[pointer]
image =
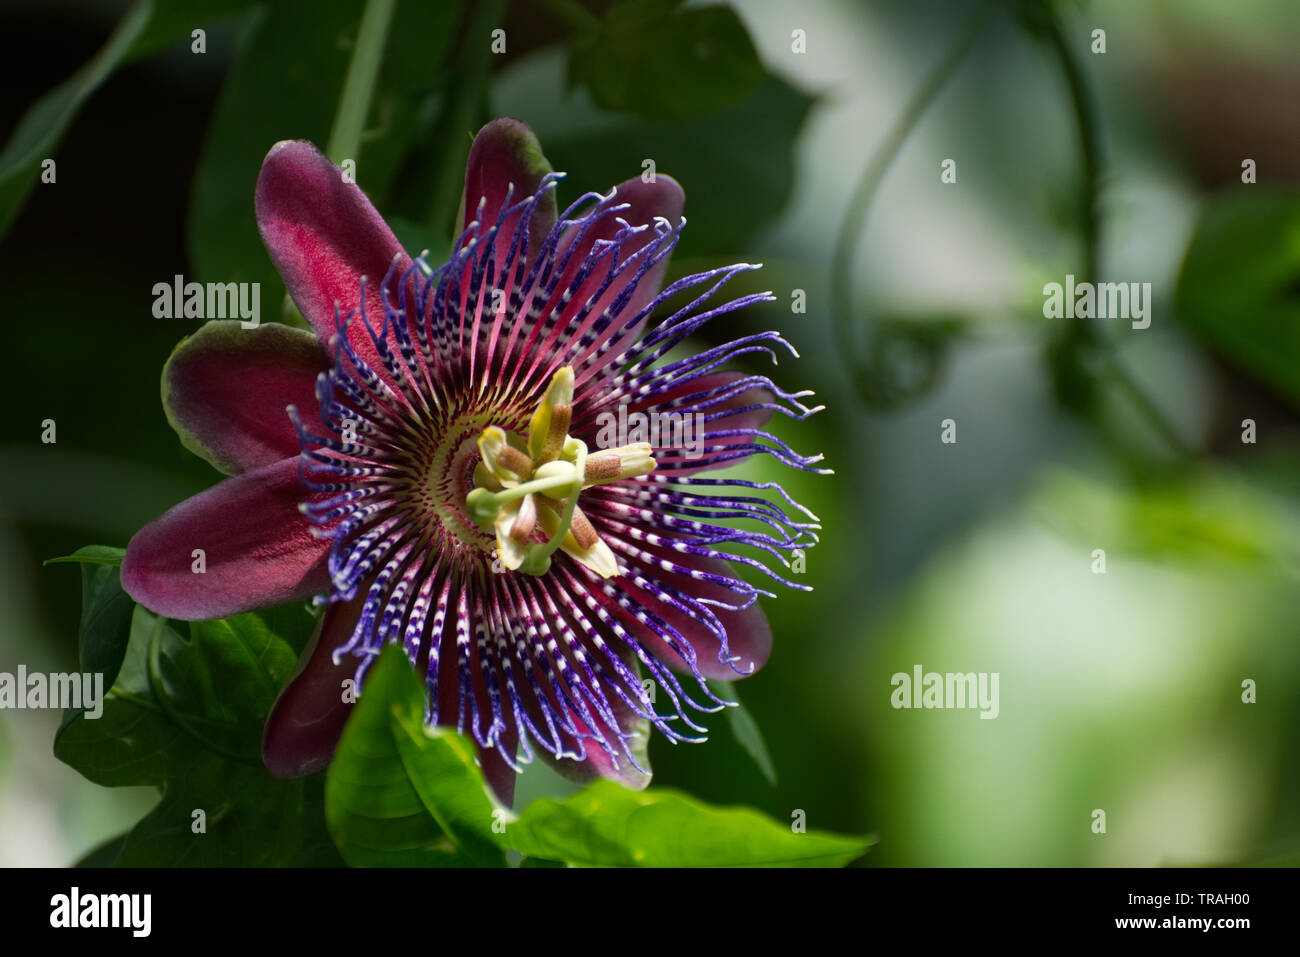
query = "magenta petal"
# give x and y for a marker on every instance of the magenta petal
(323, 235)
(308, 718)
(506, 154)
(225, 390)
(257, 549)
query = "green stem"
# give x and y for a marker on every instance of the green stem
(536, 485)
(539, 557)
(1081, 334)
(874, 174)
(1088, 126)
(359, 84)
(456, 124)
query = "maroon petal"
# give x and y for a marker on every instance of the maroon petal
(597, 763)
(572, 338)
(307, 721)
(662, 199)
(324, 235)
(499, 775)
(225, 390)
(744, 412)
(749, 636)
(257, 549)
(506, 154)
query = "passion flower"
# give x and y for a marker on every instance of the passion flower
(445, 478)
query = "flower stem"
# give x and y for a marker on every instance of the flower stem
(462, 104)
(359, 84)
(1082, 336)
(874, 174)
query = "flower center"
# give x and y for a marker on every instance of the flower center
(527, 487)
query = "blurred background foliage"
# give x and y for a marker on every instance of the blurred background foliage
(1119, 691)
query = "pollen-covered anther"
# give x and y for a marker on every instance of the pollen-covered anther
(611, 465)
(529, 500)
(507, 464)
(549, 427)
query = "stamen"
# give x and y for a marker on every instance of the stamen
(627, 461)
(525, 520)
(583, 531)
(516, 492)
(550, 423)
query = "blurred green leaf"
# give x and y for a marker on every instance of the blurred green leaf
(43, 124)
(432, 178)
(649, 58)
(400, 795)
(173, 19)
(736, 165)
(746, 730)
(318, 849)
(417, 237)
(1239, 288)
(1202, 516)
(186, 716)
(607, 825)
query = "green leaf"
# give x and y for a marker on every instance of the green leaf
(317, 848)
(295, 622)
(746, 730)
(219, 686)
(606, 825)
(38, 133)
(105, 855)
(1239, 288)
(649, 58)
(91, 555)
(400, 795)
(105, 621)
(105, 610)
(186, 716)
(736, 165)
